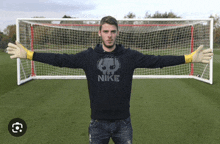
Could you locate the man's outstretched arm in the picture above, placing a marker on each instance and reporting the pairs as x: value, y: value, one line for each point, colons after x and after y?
x: 62, y: 60
x: 152, y: 61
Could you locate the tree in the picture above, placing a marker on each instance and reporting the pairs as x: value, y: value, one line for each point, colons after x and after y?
x: 70, y: 22
x: 147, y: 15
x: 66, y: 22
x: 48, y: 22
x: 130, y: 15
x: 65, y: 16
x: 4, y: 39
x: 157, y: 14
x: 1, y: 35
x: 9, y: 36
x: 216, y: 20
x: 216, y: 31
x: 167, y: 35
x: 10, y: 31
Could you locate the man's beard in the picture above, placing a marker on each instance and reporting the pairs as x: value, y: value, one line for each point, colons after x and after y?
x: 110, y: 46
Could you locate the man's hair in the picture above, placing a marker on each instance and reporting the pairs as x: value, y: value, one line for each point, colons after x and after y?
x: 109, y: 20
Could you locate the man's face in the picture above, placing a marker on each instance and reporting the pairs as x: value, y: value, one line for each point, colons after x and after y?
x: 108, y: 34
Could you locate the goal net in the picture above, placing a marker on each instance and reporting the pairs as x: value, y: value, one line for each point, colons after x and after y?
x: 148, y: 36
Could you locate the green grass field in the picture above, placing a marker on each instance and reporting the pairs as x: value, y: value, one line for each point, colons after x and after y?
x: 163, y: 111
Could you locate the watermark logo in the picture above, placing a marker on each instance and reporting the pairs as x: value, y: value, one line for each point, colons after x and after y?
x: 17, y: 127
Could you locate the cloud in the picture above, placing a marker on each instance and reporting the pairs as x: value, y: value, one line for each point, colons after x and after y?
x: 10, y: 10
x: 9, y: 17
x: 46, y: 5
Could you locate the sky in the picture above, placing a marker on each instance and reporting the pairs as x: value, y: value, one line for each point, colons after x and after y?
x: 10, y: 10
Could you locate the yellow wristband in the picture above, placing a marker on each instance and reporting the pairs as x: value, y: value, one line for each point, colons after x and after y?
x: 188, y: 58
x: 29, y: 53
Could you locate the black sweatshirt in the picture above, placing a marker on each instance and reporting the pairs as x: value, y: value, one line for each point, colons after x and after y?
x: 109, y: 75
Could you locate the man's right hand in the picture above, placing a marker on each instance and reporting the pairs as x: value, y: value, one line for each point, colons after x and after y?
x: 19, y: 51
x: 199, y: 56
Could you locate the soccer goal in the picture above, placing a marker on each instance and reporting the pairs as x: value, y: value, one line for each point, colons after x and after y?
x: 149, y: 36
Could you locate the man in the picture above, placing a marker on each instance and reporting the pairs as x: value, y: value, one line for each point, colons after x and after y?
x: 109, y: 68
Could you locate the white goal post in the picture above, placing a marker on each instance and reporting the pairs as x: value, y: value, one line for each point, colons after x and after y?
x: 149, y: 36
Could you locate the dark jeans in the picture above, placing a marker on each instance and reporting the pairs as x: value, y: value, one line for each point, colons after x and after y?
x: 100, y: 131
